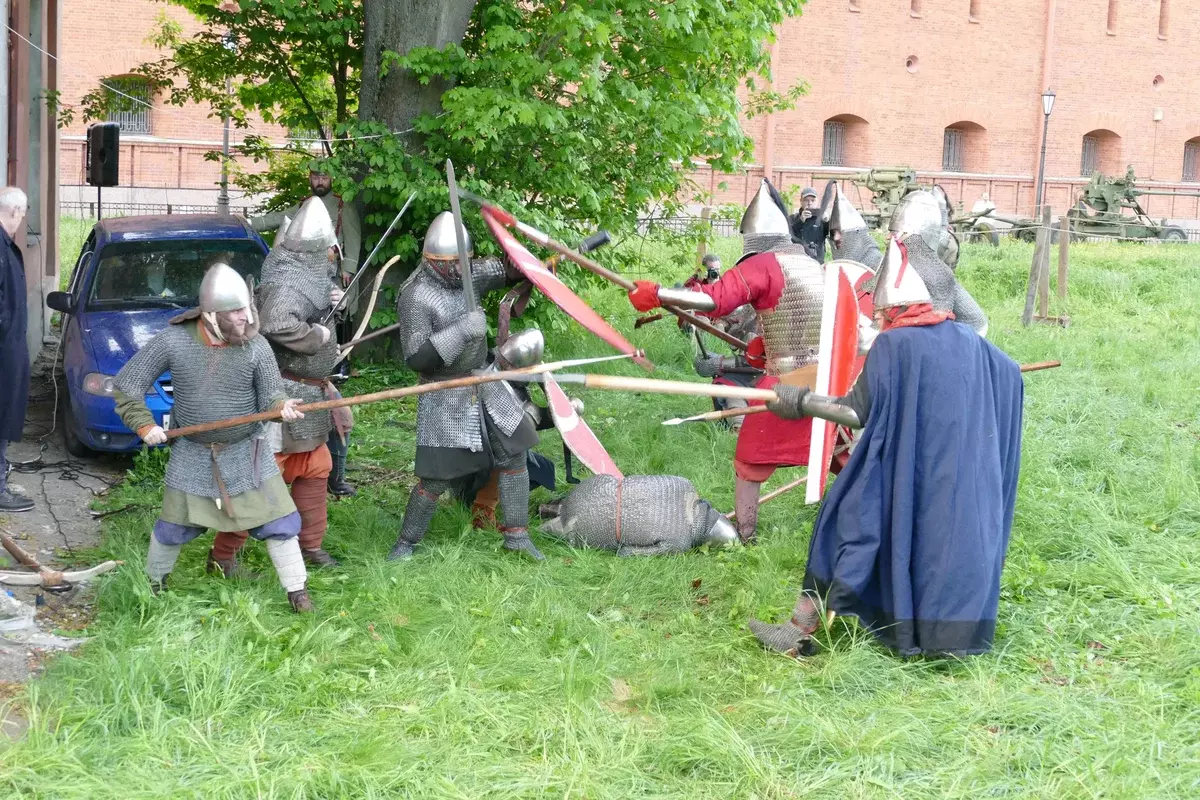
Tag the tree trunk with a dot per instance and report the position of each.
(400, 26)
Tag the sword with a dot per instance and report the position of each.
(464, 263)
(363, 267)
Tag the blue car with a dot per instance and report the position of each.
(133, 275)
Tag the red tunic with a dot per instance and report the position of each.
(765, 439)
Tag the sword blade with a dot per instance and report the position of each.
(363, 267)
(464, 262)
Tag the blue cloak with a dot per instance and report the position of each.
(912, 535)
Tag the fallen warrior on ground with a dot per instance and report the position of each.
(640, 515)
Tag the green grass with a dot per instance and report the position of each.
(468, 672)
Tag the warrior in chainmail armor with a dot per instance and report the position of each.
(849, 237)
(639, 515)
(733, 369)
(785, 286)
(460, 431)
(225, 480)
(296, 292)
(921, 222)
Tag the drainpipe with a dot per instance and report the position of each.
(1047, 66)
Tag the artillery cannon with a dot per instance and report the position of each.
(1104, 201)
(887, 186)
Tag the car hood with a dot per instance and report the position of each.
(115, 336)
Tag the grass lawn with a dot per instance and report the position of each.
(469, 672)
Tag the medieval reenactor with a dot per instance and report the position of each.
(348, 230)
(225, 480)
(785, 286)
(733, 369)
(921, 221)
(849, 237)
(466, 431)
(638, 515)
(912, 536)
(297, 291)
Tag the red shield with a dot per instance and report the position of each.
(558, 292)
(576, 433)
(836, 369)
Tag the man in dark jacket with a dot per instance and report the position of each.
(14, 355)
(808, 226)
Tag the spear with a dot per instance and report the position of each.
(740, 412)
(508, 220)
(525, 374)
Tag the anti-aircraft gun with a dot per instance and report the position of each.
(1104, 203)
(886, 185)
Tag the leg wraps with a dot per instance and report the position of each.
(514, 493)
(226, 544)
(422, 502)
(285, 555)
(483, 511)
(312, 503)
(161, 558)
(745, 504)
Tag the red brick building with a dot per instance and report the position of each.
(162, 146)
(952, 88)
(948, 87)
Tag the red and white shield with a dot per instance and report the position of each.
(836, 368)
(558, 292)
(575, 432)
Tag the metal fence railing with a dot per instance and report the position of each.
(88, 210)
(720, 227)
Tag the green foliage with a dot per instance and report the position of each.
(468, 672)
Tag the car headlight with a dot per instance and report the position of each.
(99, 384)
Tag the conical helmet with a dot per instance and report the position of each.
(311, 231)
(440, 243)
(918, 212)
(897, 283)
(223, 289)
(838, 212)
(282, 230)
(765, 214)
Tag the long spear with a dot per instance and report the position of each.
(394, 394)
(544, 240)
(711, 416)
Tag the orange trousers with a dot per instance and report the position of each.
(307, 474)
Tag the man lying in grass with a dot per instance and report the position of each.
(912, 535)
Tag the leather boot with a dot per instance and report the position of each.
(300, 601)
(229, 567)
(745, 503)
(319, 558)
(338, 486)
(159, 586)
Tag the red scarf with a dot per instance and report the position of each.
(914, 316)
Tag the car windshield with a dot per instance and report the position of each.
(165, 274)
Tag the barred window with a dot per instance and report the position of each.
(833, 153)
(1091, 156)
(953, 148)
(129, 103)
(1191, 150)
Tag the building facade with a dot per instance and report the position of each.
(952, 88)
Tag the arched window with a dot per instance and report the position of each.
(964, 148)
(1112, 17)
(1101, 153)
(1191, 159)
(845, 142)
(129, 101)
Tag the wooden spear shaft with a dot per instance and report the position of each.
(387, 394)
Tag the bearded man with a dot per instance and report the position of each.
(225, 480)
(297, 291)
(911, 538)
(467, 431)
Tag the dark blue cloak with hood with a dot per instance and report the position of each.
(912, 535)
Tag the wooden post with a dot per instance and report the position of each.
(1034, 276)
(1044, 267)
(1064, 244)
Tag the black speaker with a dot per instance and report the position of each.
(103, 153)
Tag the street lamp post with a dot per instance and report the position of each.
(1047, 107)
(229, 7)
